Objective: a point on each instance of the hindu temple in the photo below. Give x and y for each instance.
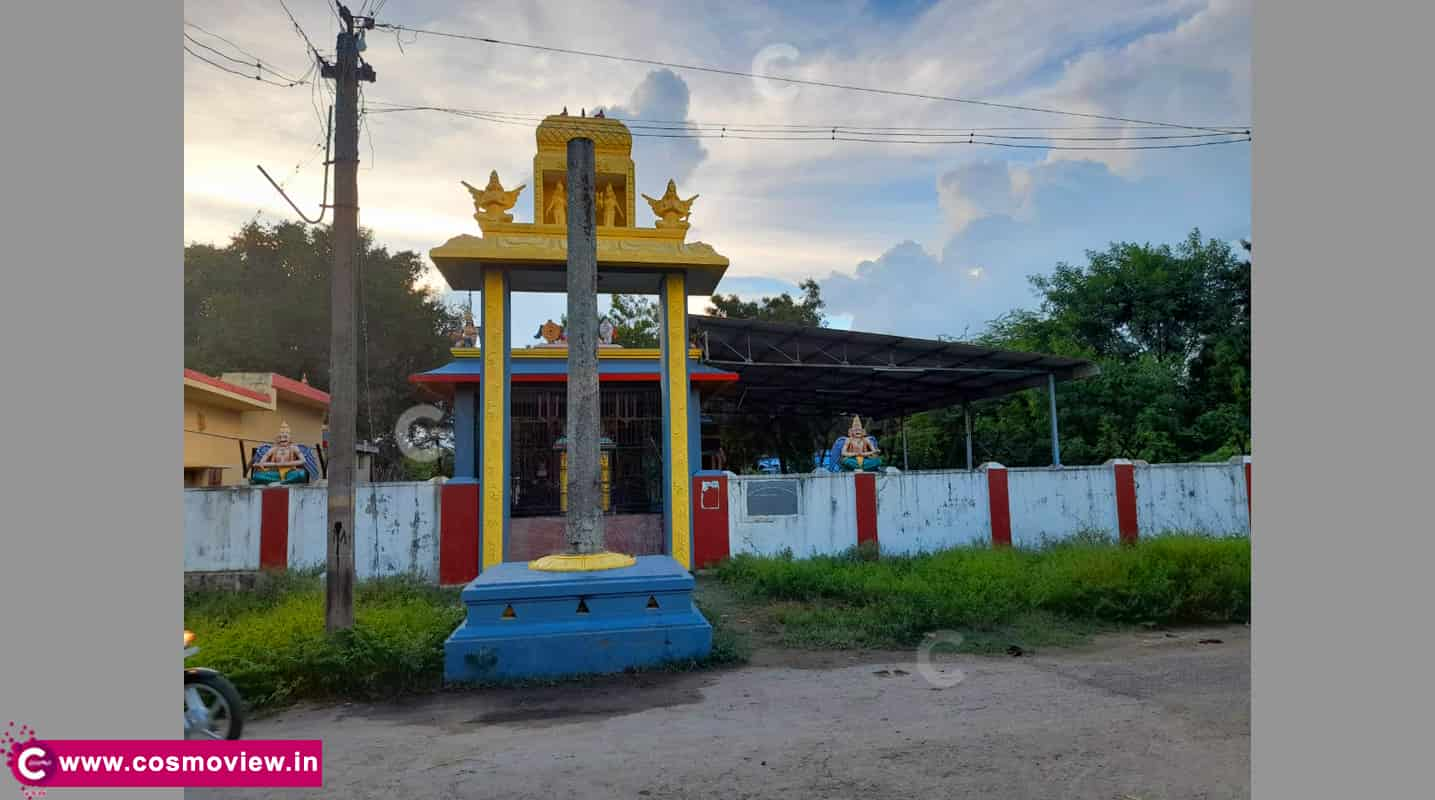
(509, 396)
(510, 413)
(509, 403)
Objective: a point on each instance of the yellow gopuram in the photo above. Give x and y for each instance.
(500, 451)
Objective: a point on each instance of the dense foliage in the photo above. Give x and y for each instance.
(1170, 328)
(262, 302)
(804, 310)
(791, 439)
(271, 641)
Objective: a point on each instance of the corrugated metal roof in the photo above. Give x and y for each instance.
(792, 368)
(465, 370)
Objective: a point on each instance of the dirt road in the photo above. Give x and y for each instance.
(1150, 716)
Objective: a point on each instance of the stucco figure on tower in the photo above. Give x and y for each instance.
(492, 202)
(671, 211)
(557, 210)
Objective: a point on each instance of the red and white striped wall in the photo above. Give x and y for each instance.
(433, 530)
(914, 512)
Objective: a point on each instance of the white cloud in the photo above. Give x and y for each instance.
(783, 210)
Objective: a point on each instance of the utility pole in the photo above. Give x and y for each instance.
(343, 368)
(583, 529)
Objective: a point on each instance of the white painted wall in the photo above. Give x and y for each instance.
(397, 524)
(308, 537)
(826, 524)
(221, 529)
(396, 529)
(1056, 503)
(1192, 497)
(925, 511)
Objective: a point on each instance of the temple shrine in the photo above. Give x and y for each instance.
(509, 397)
(630, 604)
(538, 606)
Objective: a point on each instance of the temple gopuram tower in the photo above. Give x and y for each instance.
(507, 411)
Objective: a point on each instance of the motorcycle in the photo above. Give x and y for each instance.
(212, 708)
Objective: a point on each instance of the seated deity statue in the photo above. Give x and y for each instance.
(282, 462)
(859, 451)
(467, 334)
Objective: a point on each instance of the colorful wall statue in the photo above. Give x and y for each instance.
(283, 461)
(855, 452)
(554, 335)
(467, 334)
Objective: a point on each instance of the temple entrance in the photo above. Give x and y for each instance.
(509, 401)
(633, 429)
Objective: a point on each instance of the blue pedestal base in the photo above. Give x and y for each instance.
(522, 623)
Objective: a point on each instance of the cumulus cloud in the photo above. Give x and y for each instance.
(662, 96)
(982, 188)
(950, 232)
(1062, 210)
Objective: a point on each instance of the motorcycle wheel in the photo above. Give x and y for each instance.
(221, 704)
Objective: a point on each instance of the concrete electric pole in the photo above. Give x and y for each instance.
(343, 368)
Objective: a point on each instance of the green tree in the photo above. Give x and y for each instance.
(635, 320)
(1170, 330)
(792, 439)
(806, 310)
(261, 303)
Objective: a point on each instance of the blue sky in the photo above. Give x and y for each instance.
(911, 239)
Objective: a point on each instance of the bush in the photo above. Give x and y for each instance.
(272, 643)
(850, 600)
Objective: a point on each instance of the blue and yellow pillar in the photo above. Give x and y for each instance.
(677, 427)
(493, 404)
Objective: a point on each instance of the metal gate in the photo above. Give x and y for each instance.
(631, 418)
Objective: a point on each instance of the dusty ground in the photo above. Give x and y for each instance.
(1150, 715)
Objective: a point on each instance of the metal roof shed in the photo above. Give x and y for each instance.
(789, 368)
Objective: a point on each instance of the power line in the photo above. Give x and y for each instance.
(299, 167)
(237, 72)
(843, 135)
(300, 30)
(1048, 147)
(797, 81)
(720, 130)
(220, 54)
(645, 122)
(257, 64)
(364, 118)
(208, 32)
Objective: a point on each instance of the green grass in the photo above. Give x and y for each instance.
(272, 644)
(1057, 594)
(271, 641)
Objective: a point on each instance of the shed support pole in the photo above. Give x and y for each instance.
(1055, 439)
(904, 444)
(967, 422)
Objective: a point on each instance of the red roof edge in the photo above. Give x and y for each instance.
(298, 388)
(228, 387)
(618, 377)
